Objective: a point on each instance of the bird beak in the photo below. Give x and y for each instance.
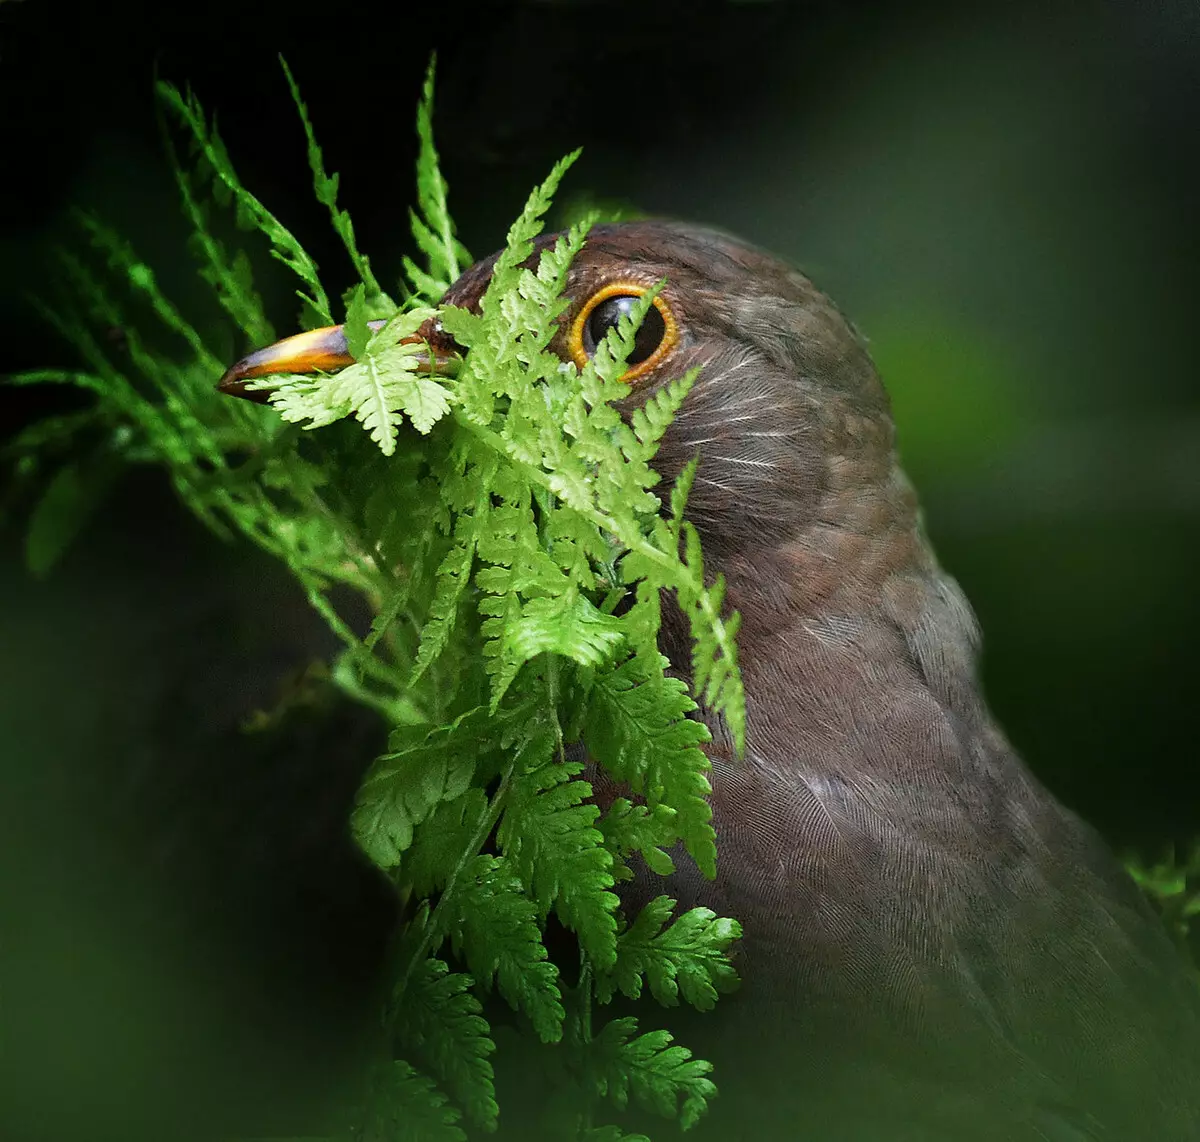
(320, 350)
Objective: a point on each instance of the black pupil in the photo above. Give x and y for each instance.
(605, 317)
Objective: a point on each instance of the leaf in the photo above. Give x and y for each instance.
(283, 243)
(406, 1104)
(715, 673)
(357, 329)
(440, 840)
(495, 926)
(432, 227)
(401, 789)
(230, 276)
(637, 727)
(630, 828)
(569, 625)
(379, 388)
(548, 832)
(521, 527)
(465, 327)
(688, 957)
(662, 1078)
(652, 419)
(441, 1024)
(610, 1134)
(466, 485)
(326, 187)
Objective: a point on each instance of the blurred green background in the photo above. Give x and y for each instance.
(1002, 198)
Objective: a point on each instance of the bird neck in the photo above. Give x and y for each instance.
(854, 639)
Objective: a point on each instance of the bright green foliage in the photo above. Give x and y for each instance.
(660, 1077)
(444, 1029)
(403, 789)
(638, 723)
(495, 546)
(548, 831)
(432, 226)
(379, 389)
(610, 1134)
(1171, 885)
(230, 276)
(630, 828)
(494, 925)
(325, 186)
(686, 957)
(250, 212)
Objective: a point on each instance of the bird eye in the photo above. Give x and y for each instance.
(610, 311)
(604, 309)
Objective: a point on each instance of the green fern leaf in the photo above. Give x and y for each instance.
(406, 1104)
(569, 625)
(441, 1025)
(548, 832)
(325, 187)
(379, 389)
(283, 243)
(630, 828)
(439, 842)
(466, 480)
(231, 277)
(402, 788)
(433, 227)
(662, 1078)
(610, 1134)
(495, 927)
(652, 419)
(688, 957)
(637, 727)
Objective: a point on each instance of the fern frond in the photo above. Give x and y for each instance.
(688, 957)
(548, 832)
(442, 1026)
(715, 673)
(610, 1134)
(231, 278)
(662, 1078)
(630, 828)
(325, 186)
(465, 479)
(494, 926)
(497, 556)
(652, 419)
(250, 210)
(402, 788)
(407, 1104)
(439, 841)
(432, 226)
(637, 727)
(379, 389)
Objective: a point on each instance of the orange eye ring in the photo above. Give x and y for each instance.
(670, 337)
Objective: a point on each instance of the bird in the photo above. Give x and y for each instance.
(934, 948)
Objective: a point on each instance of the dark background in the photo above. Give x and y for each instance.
(1003, 202)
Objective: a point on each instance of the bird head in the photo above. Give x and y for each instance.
(788, 416)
